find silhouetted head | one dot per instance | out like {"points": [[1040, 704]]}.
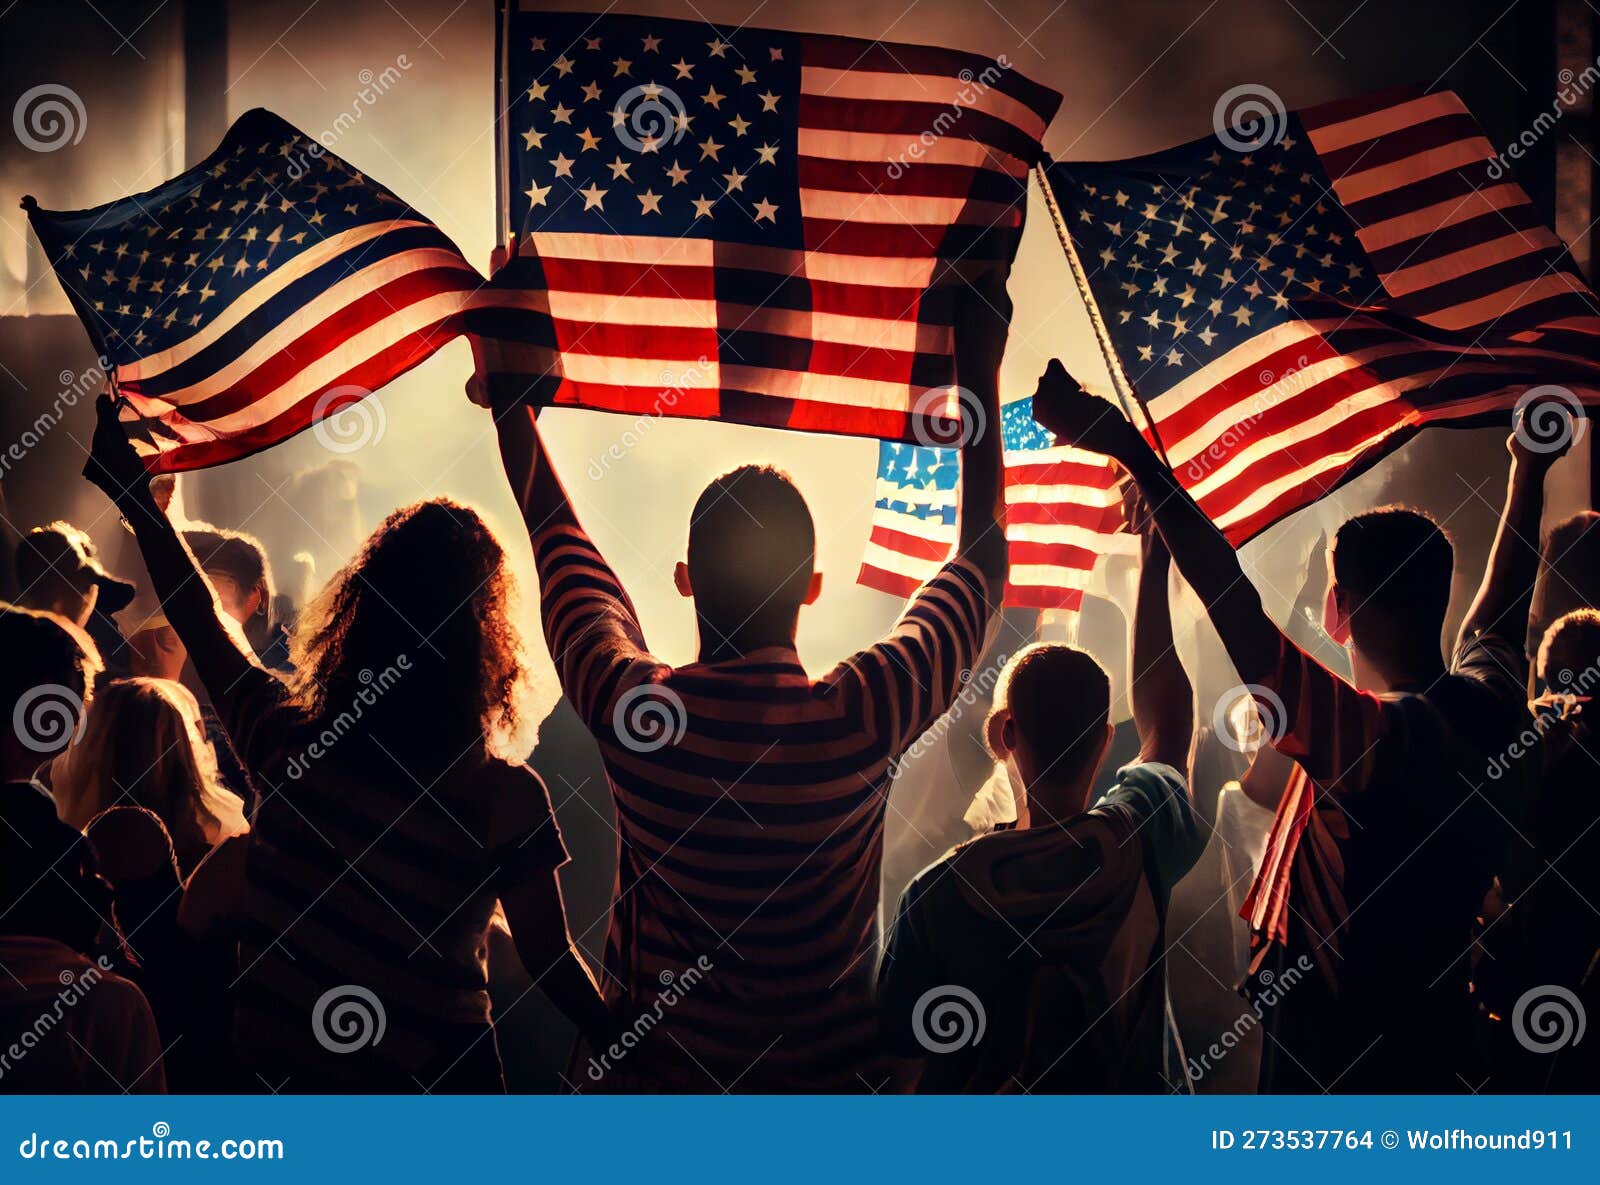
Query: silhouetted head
{"points": [[415, 637], [1052, 717], [1569, 573], [1569, 655], [59, 571], [236, 564], [752, 560], [47, 670], [1392, 569]]}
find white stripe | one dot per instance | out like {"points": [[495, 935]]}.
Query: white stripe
{"points": [[881, 148], [258, 294], [934, 213], [309, 317], [1374, 124], [947, 90]]}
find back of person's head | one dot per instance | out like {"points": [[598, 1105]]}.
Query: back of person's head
{"points": [[1051, 713], [1392, 569], [47, 671], [752, 555], [143, 745], [1569, 655], [1569, 573], [58, 570], [415, 638], [236, 564], [52, 887]]}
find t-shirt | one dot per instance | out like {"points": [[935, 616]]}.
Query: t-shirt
{"points": [[750, 805], [1378, 861], [1034, 960], [363, 883]]}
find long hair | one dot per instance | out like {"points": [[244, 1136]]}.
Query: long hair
{"points": [[413, 642], [142, 745]]}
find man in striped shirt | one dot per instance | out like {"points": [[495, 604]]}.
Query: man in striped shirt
{"points": [[1379, 859], [750, 797]]}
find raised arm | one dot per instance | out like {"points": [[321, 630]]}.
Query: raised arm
{"points": [[1162, 698], [1204, 557], [1506, 594], [221, 655], [982, 320], [1311, 714]]}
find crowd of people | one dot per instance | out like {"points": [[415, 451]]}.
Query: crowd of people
{"points": [[244, 854]]}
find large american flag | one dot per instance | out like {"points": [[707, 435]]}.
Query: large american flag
{"points": [[750, 225], [269, 286], [1294, 308], [1063, 513]]}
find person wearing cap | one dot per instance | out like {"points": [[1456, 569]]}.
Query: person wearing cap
{"points": [[59, 571]]}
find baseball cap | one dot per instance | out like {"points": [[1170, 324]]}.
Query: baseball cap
{"points": [[67, 553]]}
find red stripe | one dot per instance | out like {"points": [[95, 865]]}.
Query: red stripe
{"points": [[914, 546], [371, 374], [324, 338]]}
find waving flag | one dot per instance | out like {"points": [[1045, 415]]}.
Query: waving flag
{"points": [[1063, 513], [264, 289], [1294, 305], [751, 225]]}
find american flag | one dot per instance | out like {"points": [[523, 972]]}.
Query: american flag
{"points": [[750, 225], [1063, 513], [1296, 306], [268, 287]]}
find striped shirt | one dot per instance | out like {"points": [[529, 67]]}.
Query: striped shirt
{"points": [[362, 875], [750, 806]]}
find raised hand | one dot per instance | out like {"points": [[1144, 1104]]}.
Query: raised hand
{"points": [[1076, 417], [114, 464]]}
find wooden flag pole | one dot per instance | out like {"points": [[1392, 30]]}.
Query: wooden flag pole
{"points": [[1127, 393], [502, 120]]}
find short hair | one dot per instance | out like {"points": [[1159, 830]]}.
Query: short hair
{"points": [[1569, 656], [47, 672], [752, 548], [1398, 562], [1059, 698], [1569, 576], [54, 561], [237, 555]]}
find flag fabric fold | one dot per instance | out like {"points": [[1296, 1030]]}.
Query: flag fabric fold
{"points": [[263, 290], [1295, 304], [750, 225]]}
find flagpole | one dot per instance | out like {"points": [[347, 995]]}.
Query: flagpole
{"points": [[502, 21], [1124, 389]]}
